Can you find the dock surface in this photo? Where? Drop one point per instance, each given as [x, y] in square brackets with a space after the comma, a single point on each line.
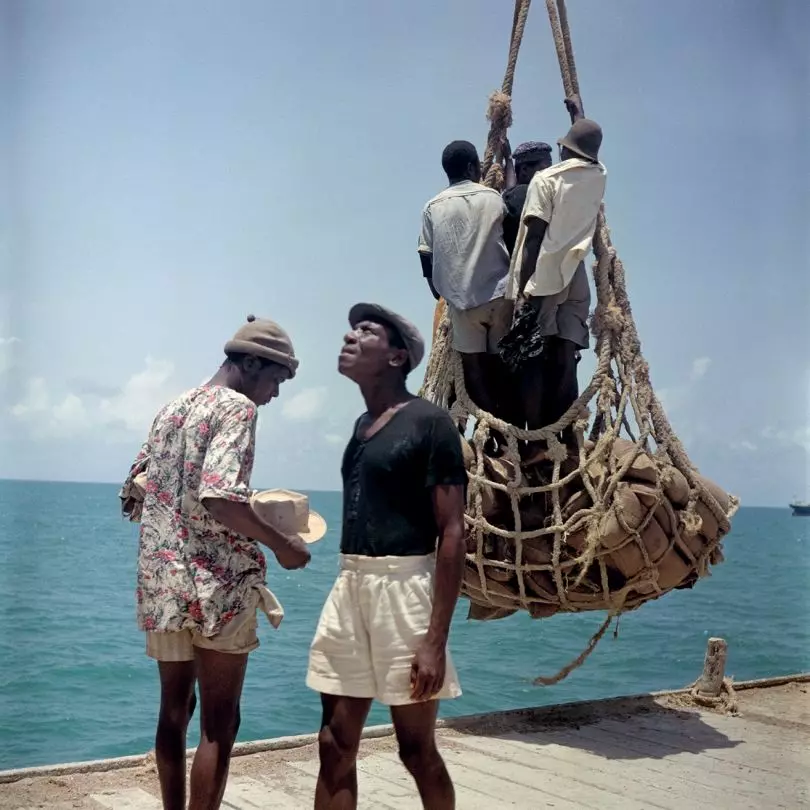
[629, 754]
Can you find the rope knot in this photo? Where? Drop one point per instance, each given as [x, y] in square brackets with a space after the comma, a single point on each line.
[499, 112]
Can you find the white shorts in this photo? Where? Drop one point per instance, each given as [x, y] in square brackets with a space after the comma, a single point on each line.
[370, 628]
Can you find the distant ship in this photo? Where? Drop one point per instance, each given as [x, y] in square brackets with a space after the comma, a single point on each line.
[801, 508]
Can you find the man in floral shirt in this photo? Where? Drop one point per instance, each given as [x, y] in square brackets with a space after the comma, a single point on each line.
[200, 569]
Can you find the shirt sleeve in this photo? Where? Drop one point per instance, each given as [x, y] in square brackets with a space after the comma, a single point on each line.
[228, 461]
[539, 199]
[445, 459]
[426, 234]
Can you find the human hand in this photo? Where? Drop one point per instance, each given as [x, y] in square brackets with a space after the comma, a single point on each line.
[428, 671]
[293, 554]
[574, 106]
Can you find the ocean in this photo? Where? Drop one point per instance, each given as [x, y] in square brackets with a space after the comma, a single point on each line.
[75, 683]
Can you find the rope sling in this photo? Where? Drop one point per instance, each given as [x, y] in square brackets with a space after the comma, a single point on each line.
[625, 519]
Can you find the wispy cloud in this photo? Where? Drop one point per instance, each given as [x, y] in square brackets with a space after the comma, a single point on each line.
[699, 368]
[126, 411]
[304, 406]
[788, 437]
[334, 438]
[743, 446]
[677, 397]
[7, 345]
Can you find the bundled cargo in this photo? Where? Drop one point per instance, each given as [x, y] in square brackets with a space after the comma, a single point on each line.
[630, 528]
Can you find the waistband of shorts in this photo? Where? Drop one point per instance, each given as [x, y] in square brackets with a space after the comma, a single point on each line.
[417, 564]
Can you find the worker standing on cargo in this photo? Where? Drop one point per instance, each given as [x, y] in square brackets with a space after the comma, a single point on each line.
[547, 276]
[200, 569]
[465, 261]
[383, 631]
[528, 159]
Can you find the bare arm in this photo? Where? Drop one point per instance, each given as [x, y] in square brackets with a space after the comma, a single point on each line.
[448, 507]
[239, 517]
[427, 271]
[430, 664]
[535, 231]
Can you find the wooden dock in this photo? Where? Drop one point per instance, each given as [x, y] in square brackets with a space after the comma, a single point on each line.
[651, 751]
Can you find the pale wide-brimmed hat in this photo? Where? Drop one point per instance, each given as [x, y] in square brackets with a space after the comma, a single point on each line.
[289, 512]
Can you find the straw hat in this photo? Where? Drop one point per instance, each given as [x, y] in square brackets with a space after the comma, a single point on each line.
[288, 512]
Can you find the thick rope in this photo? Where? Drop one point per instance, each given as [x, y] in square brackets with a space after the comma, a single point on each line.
[623, 520]
[499, 113]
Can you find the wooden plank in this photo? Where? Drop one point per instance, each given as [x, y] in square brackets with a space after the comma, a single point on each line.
[476, 773]
[576, 787]
[244, 793]
[294, 784]
[394, 771]
[697, 769]
[379, 789]
[773, 740]
[625, 779]
[761, 765]
[129, 799]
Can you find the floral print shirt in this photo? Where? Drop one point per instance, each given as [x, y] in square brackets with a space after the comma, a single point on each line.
[193, 572]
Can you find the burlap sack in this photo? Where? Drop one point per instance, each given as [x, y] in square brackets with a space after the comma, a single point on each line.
[673, 570]
[626, 504]
[486, 613]
[642, 468]
[541, 584]
[710, 528]
[540, 610]
[676, 487]
[538, 550]
[498, 594]
[495, 503]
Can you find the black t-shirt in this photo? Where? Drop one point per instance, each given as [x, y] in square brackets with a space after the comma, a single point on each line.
[514, 199]
[387, 482]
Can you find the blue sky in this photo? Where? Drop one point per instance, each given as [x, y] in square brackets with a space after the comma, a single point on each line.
[170, 167]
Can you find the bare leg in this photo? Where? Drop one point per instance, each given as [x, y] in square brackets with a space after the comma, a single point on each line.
[476, 380]
[506, 386]
[563, 387]
[534, 390]
[177, 702]
[221, 676]
[482, 383]
[415, 727]
[338, 743]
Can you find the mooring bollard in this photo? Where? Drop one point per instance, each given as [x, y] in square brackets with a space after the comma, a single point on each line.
[714, 668]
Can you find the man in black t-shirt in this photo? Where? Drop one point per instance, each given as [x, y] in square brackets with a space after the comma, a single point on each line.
[384, 628]
[529, 158]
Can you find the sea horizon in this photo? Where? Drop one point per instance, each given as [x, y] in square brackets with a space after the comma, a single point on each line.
[88, 482]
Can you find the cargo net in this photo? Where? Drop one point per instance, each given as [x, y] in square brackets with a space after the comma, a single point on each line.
[622, 520]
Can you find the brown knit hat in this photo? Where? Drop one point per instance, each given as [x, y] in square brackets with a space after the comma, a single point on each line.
[584, 138]
[265, 339]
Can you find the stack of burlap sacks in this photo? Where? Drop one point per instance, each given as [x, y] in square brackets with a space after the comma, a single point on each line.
[647, 539]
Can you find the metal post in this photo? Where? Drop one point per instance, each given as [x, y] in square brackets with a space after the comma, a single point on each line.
[714, 668]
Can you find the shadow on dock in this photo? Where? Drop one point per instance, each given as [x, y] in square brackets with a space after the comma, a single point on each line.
[601, 728]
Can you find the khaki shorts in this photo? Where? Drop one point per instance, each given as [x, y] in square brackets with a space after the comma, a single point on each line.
[237, 637]
[371, 626]
[479, 330]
